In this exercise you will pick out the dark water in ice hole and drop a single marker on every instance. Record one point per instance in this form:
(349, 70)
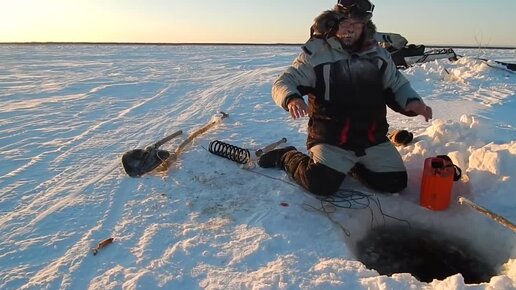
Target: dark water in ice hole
(426, 255)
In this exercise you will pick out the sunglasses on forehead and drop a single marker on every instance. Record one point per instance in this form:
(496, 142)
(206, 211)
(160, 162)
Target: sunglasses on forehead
(361, 5)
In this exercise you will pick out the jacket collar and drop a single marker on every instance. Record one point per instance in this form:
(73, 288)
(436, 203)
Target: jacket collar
(315, 44)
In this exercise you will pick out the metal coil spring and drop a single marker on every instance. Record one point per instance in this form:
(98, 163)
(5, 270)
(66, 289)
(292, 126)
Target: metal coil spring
(231, 152)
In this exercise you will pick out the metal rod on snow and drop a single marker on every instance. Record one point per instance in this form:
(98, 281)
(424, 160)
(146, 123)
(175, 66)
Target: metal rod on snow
(269, 147)
(498, 218)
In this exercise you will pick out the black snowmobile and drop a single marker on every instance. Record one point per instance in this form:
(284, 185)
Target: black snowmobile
(405, 55)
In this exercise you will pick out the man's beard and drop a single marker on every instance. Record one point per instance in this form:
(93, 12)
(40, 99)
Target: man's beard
(348, 40)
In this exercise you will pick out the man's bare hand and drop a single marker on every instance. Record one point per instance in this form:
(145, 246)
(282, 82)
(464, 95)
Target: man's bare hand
(297, 108)
(420, 108)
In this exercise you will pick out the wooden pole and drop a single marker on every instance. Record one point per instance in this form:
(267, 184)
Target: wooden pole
(196, 133)
(498, 218)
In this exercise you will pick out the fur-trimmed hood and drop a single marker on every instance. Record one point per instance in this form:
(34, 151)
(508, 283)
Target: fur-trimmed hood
(326, 24)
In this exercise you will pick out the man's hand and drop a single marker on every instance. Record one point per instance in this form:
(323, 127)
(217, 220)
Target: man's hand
(297, 108)
(420, 108)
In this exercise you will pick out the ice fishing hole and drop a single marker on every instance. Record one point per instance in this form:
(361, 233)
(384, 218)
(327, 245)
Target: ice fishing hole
(426, 255)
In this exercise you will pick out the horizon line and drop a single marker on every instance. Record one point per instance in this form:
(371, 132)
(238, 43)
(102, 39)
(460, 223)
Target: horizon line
(212, 43)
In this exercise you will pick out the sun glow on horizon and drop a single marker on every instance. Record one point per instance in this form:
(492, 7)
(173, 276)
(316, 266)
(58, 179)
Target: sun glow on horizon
(97, 21)
(61, 20)
(236, 21)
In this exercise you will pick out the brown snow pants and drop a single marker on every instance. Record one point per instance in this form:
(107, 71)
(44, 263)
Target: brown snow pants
(320, 179)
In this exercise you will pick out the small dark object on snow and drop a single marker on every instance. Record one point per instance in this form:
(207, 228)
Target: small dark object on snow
(400, 137)
(101, 245)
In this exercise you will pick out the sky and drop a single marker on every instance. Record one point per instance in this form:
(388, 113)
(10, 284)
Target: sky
(460, 22)
(68, 113)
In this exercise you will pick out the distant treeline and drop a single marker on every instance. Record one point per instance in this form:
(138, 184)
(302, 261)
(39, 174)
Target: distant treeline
(218, 44)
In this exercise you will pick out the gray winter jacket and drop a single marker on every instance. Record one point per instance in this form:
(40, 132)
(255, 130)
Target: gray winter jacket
(316, 52)
(347, 91)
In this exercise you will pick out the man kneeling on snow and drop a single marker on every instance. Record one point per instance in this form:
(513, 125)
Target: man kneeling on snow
(349, 81)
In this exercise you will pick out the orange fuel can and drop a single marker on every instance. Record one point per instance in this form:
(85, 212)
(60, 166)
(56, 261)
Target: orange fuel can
(436, 183)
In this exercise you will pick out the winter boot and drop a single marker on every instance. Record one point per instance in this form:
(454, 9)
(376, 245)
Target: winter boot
(272, 159)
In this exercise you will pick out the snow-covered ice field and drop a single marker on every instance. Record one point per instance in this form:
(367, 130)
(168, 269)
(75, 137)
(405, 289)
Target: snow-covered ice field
(68, 113)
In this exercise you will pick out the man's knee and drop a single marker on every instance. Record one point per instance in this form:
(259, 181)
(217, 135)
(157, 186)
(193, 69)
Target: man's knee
(314, 177)
(393, 181)
(321, 185)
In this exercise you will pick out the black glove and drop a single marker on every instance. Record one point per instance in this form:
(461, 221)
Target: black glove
(400, 137)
